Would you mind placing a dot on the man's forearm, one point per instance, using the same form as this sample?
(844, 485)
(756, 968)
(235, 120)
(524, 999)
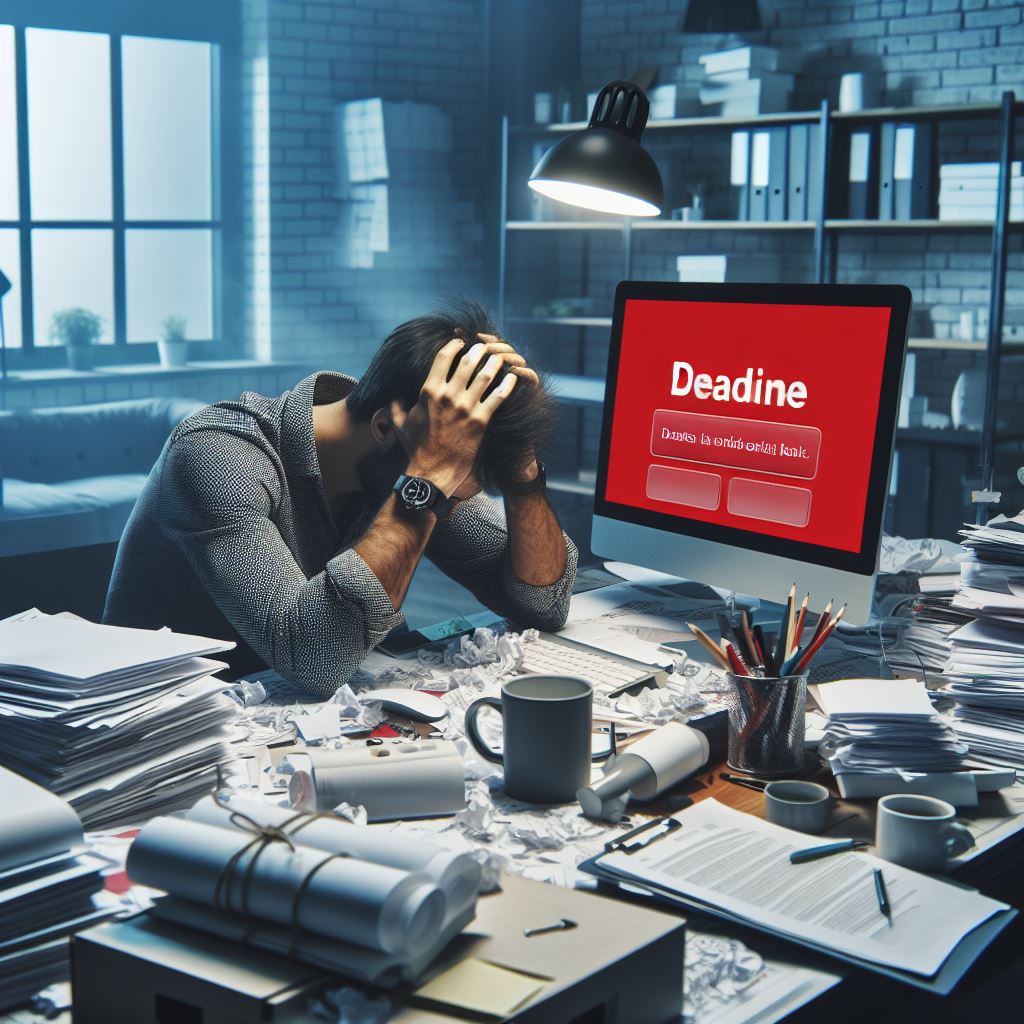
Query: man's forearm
(535, 539)
(393, 545)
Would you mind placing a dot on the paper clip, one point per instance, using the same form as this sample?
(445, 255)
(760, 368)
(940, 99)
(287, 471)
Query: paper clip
(629, 842)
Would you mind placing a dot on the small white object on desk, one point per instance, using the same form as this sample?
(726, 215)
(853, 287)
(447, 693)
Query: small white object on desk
(415, 704)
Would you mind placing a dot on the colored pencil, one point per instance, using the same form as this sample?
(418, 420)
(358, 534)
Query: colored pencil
(718, 653)
(736, 663)
(790, 618)
(823, 620)
(798, 629)
(815, 645)
(764, 649)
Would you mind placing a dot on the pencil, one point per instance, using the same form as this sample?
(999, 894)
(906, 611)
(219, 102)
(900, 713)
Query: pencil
(788, 628)
(823, 620)
(764, 650)
(798, 629)
(736, 664)
(782, 643)
(718, 653)
(815, 645)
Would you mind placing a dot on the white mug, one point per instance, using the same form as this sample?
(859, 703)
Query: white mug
(803, 806)
(919, 832)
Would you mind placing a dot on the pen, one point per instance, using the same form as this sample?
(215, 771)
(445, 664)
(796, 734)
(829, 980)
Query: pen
(881, 895)
(739, 780)
(815, 852)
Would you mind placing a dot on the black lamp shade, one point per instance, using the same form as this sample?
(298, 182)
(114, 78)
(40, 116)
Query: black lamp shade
(604, 167)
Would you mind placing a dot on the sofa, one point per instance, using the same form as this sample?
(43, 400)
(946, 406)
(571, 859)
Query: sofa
(71, 477)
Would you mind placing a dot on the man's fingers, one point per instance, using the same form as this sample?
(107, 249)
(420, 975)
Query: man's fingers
(467, 364)
(442, 364)
(526, 372)
(486, 376)
(490, 404)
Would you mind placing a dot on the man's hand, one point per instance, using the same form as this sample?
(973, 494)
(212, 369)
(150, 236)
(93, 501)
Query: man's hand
(443, 431)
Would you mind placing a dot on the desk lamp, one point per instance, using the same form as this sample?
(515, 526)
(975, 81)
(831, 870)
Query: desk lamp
(603, 167)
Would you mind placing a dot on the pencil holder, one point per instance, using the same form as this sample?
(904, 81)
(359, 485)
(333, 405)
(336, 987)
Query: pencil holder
(766, 724)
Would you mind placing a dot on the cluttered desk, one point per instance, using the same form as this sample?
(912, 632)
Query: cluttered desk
(688, 802)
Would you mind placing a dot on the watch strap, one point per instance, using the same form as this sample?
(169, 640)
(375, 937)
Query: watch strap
(437, 503)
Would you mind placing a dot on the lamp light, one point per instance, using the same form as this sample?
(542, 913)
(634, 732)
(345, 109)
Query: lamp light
(603, 167)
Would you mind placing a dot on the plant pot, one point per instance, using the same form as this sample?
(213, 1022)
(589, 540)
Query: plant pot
(173, 353)
(80, 357)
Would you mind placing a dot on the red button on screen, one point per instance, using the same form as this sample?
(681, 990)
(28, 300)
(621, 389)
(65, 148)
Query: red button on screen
(684, 486)
(783, 449)
(776, 503)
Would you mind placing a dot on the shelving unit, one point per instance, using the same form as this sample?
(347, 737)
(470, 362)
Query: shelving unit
(825, 231)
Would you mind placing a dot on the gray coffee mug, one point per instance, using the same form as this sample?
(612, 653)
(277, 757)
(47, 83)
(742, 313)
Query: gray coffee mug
(547, 729)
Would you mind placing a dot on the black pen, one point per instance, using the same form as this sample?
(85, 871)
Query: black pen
(739, 780)
(881, 895)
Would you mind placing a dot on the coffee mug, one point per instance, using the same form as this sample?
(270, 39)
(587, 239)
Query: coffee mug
(800, 805)
(547, 736)
(919, 832)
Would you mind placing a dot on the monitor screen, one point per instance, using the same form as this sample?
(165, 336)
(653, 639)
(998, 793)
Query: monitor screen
(757, 416)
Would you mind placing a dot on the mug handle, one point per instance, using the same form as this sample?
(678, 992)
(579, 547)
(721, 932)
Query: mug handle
(958, 838)
(473, 734)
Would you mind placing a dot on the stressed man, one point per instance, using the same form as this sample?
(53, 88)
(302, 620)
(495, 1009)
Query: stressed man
(293, 525)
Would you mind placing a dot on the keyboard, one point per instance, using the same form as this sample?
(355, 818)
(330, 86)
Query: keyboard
(608, 674)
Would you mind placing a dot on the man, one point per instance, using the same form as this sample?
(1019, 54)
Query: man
(293, 525)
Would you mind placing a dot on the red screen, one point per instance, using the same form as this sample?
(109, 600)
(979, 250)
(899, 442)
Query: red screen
(753, 416)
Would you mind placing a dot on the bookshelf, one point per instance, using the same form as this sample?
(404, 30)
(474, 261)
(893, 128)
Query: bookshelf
(821, 234)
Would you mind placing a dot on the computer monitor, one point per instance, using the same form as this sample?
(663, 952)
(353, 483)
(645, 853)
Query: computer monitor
(748, 434)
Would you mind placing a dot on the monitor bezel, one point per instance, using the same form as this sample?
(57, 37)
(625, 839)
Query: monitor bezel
(897, 298)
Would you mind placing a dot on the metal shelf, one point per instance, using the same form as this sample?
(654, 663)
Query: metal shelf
(565, 225)
(563, 321)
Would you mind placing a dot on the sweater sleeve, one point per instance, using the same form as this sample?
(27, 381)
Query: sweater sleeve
(218, 493)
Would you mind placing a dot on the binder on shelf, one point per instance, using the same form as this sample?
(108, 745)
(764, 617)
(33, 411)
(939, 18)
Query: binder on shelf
(914, 171)
(777, 145)
(759, 156)
(798, 170)
(886, 166)
(862, 192)
(739, 176)
(813, 171)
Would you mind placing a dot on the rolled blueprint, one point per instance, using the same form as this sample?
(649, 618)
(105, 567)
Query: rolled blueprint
(342, 898)
(425, 779)
(456, 874)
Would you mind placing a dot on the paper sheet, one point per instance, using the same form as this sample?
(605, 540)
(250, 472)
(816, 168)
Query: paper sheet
(730, 860)
(480, 987)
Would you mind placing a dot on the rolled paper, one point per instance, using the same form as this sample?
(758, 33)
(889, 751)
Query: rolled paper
(366, 904)
(456, 874)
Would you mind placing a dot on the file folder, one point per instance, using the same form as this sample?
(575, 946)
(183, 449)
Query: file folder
(862, 194)
(886, 166)
(777, 145)
(914, 171)
(759, 157)
(797, 173)
(739, 176)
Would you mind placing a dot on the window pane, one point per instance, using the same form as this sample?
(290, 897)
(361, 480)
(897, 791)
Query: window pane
(10, 264)
(167, 154)
(8, 128)
(72, 268)
(69, 124)
(169, 275)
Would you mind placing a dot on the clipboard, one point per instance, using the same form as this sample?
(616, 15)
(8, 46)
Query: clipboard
(955, 966)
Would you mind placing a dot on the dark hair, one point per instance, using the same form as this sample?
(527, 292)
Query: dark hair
(522, 424)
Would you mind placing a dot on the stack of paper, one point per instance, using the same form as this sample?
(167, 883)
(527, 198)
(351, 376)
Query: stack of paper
(884, 727)
(122, 723)
(986, 657)
(969, 191)
(745, 81)
(47, 886)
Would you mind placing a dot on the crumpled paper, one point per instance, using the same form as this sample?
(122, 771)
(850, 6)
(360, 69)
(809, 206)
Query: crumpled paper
(355, 815)
(248, 692)
(717, 970)
(349, 1006)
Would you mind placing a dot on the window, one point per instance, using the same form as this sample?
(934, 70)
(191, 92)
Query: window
(108, 185)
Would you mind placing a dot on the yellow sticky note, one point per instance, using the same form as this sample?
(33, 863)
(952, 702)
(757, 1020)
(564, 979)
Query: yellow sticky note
(481, 987)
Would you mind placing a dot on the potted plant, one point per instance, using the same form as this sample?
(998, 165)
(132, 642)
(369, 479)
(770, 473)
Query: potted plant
(173, 344)
(76, 329)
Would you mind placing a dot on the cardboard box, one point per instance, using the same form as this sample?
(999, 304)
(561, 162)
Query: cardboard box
(621, 964)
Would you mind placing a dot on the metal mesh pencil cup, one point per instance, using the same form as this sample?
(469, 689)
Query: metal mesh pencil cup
(766, 724)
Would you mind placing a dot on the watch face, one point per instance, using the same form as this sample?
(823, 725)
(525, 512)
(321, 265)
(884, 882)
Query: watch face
(416, 492)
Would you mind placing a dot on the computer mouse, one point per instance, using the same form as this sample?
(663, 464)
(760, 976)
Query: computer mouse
(415, 704)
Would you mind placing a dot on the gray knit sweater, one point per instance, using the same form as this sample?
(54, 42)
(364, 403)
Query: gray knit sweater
(232, 537)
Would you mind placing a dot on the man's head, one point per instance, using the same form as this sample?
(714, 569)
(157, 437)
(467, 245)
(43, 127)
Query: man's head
(522, 424)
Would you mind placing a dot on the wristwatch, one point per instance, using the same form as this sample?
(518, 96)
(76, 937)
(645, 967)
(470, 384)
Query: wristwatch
(523, 488)
(417, 494)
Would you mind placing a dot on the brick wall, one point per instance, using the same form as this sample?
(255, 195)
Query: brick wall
(921, 52)
(303, 57)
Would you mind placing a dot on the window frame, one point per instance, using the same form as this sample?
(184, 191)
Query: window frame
(191, 21)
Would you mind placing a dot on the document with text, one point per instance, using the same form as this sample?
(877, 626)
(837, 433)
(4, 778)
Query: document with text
(734, 863)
